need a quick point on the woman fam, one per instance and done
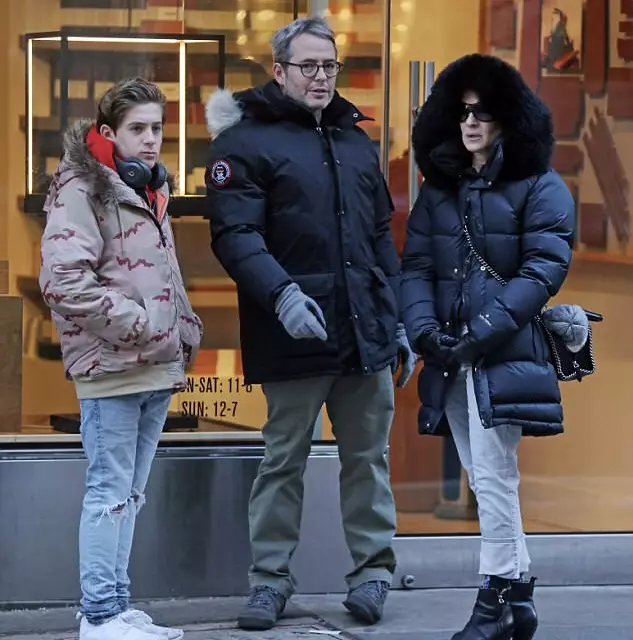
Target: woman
(483, 142)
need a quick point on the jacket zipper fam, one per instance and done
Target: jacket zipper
(160, 230)
(163, 241)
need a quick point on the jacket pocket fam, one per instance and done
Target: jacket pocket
(319, 287)
(189, 326)
(159, 343)
(385, 304)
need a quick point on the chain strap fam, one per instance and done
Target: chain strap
(480, 258)
(548, 334)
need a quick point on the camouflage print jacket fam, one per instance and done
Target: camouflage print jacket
(110, 274)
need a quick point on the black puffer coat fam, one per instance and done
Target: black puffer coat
(293, 201)
(521, 217)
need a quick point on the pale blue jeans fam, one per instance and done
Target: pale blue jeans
(489, 457)
(120, 436)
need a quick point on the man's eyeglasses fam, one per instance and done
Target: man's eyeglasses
(310, 69)
(478, 112)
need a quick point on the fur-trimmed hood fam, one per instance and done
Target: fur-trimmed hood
(102, 182)
(222, 111)
(267, 104)
(78, 162)
(527, 133)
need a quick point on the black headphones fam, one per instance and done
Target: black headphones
(138, 175)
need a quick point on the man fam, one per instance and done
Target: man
(300, 220)
(110, 276)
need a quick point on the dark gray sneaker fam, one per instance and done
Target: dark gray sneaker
(264, 607)
(366, 601)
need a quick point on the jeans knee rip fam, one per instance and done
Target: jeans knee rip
(138, 499)
(119, 508)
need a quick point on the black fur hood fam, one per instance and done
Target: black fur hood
(527, 139)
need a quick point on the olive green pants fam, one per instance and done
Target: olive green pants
(361, 411)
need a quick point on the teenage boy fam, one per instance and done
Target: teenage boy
(111, 278)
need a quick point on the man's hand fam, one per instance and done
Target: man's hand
(300, 315)
(437, 345)
(405, 358)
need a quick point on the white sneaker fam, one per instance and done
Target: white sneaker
(142, 621)
(114, 629)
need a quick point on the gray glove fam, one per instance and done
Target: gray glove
(300, 315)
(406, 357)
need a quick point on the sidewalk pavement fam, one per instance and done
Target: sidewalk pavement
(567, 613)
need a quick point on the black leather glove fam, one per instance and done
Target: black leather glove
(436, 345)
(466, 351)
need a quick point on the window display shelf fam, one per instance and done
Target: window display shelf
(67, 72)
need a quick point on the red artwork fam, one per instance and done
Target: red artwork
(610, 174)
(503, 17)
(620, 92)
(593, 226)
(596, 47)
(568, 159)
(565, 97)
(560, 51)
(529, 60)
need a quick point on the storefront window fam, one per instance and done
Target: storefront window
(576, 55)
(58, 56)
(62, 57)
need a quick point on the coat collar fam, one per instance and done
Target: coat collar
(268, 104)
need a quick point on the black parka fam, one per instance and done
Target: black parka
(293, 201)
(521, 219)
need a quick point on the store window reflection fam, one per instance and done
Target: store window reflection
(581, 481)
(578, 482)
(72, 51)
(431, 493)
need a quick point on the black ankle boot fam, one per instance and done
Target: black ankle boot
(521, 602)
(491, 618)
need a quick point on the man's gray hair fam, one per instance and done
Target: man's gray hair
(281, 42)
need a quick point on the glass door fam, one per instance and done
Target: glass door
(432, 496)
(581, 482)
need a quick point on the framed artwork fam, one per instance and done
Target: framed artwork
(561, 36)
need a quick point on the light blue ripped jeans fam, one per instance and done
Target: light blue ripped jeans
(120, 436)
(489, 457)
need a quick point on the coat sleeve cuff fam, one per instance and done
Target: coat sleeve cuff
(481, 329)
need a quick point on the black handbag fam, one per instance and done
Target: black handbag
(570, 363)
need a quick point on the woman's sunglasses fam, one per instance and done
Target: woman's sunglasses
(478, 112)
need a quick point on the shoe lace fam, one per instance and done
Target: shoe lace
(376, 590)
(264, 597)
